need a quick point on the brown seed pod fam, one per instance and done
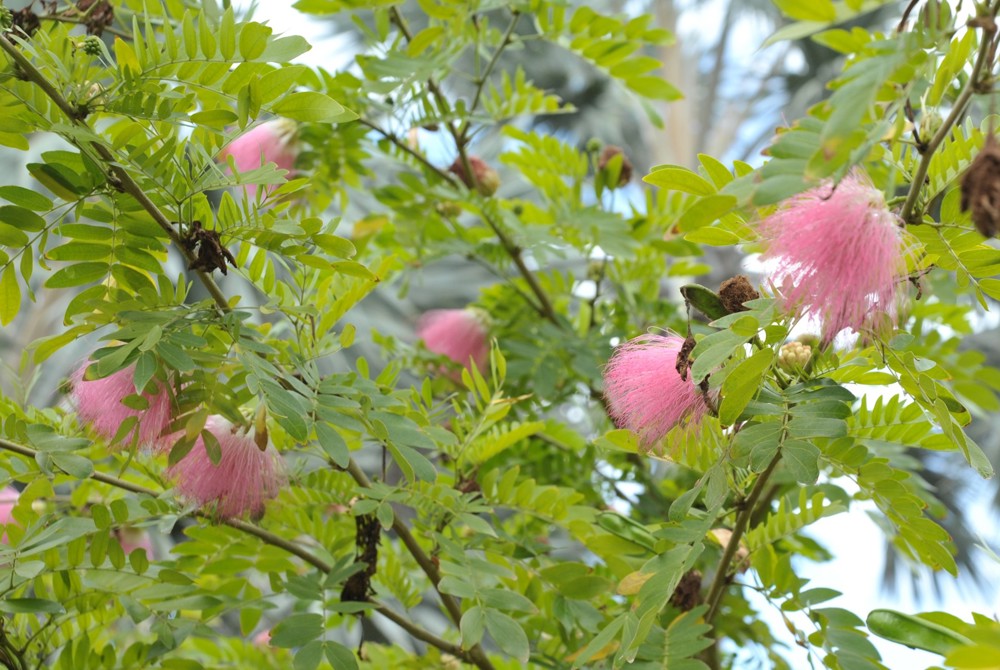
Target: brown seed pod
(981, 189)
(486, 178)
(609, 152)
(736, 291)
(687, 595)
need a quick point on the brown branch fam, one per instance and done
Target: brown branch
(718, 587)
(115, 172)
(986, 50)
(488, 70)
(544, 306)
(426, 564)
(280, 542)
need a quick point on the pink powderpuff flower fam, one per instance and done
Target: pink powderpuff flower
(270, 142)
(131, 539)
(245, 477)
(8, 499)
(99, 403)
(459, 334)
(644, 391)
(839, 254)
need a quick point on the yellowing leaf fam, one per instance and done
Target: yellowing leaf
(10, 296)
(631, 584)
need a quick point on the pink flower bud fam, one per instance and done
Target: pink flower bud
(99, 403)
(459, 334)
(270, 142)
(645, 393)
(839, 252)
(242, 481)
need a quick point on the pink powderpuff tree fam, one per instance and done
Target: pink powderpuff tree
(839, 252)
(245, 477)
(644, 391)
(99, 403)
(459, 334)
(270, 142)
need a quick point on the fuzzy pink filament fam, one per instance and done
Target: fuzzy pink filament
(131, 539)
(458, 334)
(839, 254)
(644, 391)
(271, 142)
(242, 481)
(8, 499)
(99, 403)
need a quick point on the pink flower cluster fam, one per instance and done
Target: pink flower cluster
(242, 481)
(839, 254)
(459, 334)
(244, 478)
(99, 402)
(644, 391)
(270, 142)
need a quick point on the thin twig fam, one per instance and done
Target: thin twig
(476, 654)
(714, 597)
(488, 70)
(66, 19)
(115, 172)
(276, 541)
(544, 306)
(443, 174)
(957, 110)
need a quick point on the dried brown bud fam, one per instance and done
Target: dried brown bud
(736, 291)
(609, 152)
(486, 178)
(99, 15)
(25, 22)
(684, 357)
(687, 595)
(981, 189)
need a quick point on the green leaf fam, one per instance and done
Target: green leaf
(284, 49)
(25, 197)
(314, 107)
(77, 275)
(914, 632)
(309, 656)
(508, 635)
(21, 218)
(807, 10)
(705, 300)
(10, 296)
(674, 178)
(297, 630)
(705, 211)
(601, 640)
(339, 656)
(30, 606)
(801, 458)
(253, 40)
(333, 444)
(741, 385)
(73, 464)
(473, 624)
